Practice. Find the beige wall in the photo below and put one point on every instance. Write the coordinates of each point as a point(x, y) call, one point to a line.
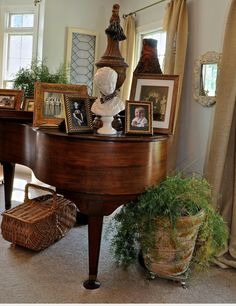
point(207, 19)
point(60, 14)
point(147, 16)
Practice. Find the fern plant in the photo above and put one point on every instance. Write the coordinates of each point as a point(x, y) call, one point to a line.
point(135, 224)
point(38, 72)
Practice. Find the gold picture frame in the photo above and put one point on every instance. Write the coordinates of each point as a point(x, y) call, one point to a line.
point(162, 91)
point(11, 99)
point(29, 104)
point(138, 118)
point(78, 116)
point(48, 105)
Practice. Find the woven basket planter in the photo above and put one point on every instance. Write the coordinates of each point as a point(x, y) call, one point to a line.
point(174, 247)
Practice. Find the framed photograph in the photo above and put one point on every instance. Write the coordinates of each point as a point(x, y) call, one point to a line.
point(138, 119)
point(161, 90)
point(78, 116)
point(49, 99)
point(29, 104)
point(11, 99)
point(81, 55)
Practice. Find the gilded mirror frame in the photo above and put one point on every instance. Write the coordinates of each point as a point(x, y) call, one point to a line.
point(210, 57)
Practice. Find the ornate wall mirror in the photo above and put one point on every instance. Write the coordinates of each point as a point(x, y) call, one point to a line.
point(206, 71)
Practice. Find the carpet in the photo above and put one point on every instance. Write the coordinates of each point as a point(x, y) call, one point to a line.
point(56, 275)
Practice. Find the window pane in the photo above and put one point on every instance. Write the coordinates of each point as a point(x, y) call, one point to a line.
point(160, 36)
point(14, 46)
point(8, 85)
point(25, 62)
point(21, 20)
point(16, 20)
point(27, 45)
point(20, 49)
point(28, 20)
point(12, 67)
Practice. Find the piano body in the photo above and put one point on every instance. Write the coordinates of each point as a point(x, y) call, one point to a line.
point(98, 173)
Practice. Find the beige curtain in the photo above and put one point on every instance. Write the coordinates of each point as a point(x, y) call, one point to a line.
point(127, 51)
point(220, 168)
point(1, 174)
point(176, 25)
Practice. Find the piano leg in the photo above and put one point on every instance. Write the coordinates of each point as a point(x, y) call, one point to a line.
point(81, 219)
point(8, 173)
point(95, 233)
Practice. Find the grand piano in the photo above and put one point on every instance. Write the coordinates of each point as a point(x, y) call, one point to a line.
point(98, 173)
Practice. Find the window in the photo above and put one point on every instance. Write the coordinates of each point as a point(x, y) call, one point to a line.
point(160, 36)
point(156, 32)
point(19, 41)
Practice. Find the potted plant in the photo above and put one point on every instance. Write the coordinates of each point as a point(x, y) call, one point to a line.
point(174, 224)
point(38, 72)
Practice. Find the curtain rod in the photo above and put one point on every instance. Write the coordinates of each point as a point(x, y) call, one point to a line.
point(125, 15)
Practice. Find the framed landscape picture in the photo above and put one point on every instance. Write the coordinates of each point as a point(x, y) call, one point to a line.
point(138, 119)
point(48, 102)
point(11, 99)
point(78, 116)
point(161, 90)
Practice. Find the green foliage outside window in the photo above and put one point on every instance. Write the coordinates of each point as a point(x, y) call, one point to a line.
point(38, 72)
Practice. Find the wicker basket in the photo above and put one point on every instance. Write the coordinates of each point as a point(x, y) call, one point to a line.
point(39, 222)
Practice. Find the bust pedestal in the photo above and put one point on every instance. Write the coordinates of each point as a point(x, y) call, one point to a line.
point(107, 128)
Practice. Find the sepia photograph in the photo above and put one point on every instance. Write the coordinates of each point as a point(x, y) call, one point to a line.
point(158, 97)
point(7, 101)
point(10, 99)
point(52, 106)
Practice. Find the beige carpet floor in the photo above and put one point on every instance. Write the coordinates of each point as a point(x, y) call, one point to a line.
point(56, 275)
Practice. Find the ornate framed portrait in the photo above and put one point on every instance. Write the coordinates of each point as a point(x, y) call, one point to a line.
point(78, 116)
point(161, 90)
point(48, 105)
point(138, 118)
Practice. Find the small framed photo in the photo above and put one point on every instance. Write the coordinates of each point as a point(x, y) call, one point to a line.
point(11, 99)
point(78, 116)
point(29, 104)
point(162, 91)
point(48, 102)
point(138, 119)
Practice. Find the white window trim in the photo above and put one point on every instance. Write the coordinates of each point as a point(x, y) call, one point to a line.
point(4, 31)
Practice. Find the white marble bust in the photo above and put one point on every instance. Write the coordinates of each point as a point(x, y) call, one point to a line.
point(108, 104)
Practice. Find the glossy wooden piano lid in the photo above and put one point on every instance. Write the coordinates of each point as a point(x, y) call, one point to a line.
point(17, 116)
